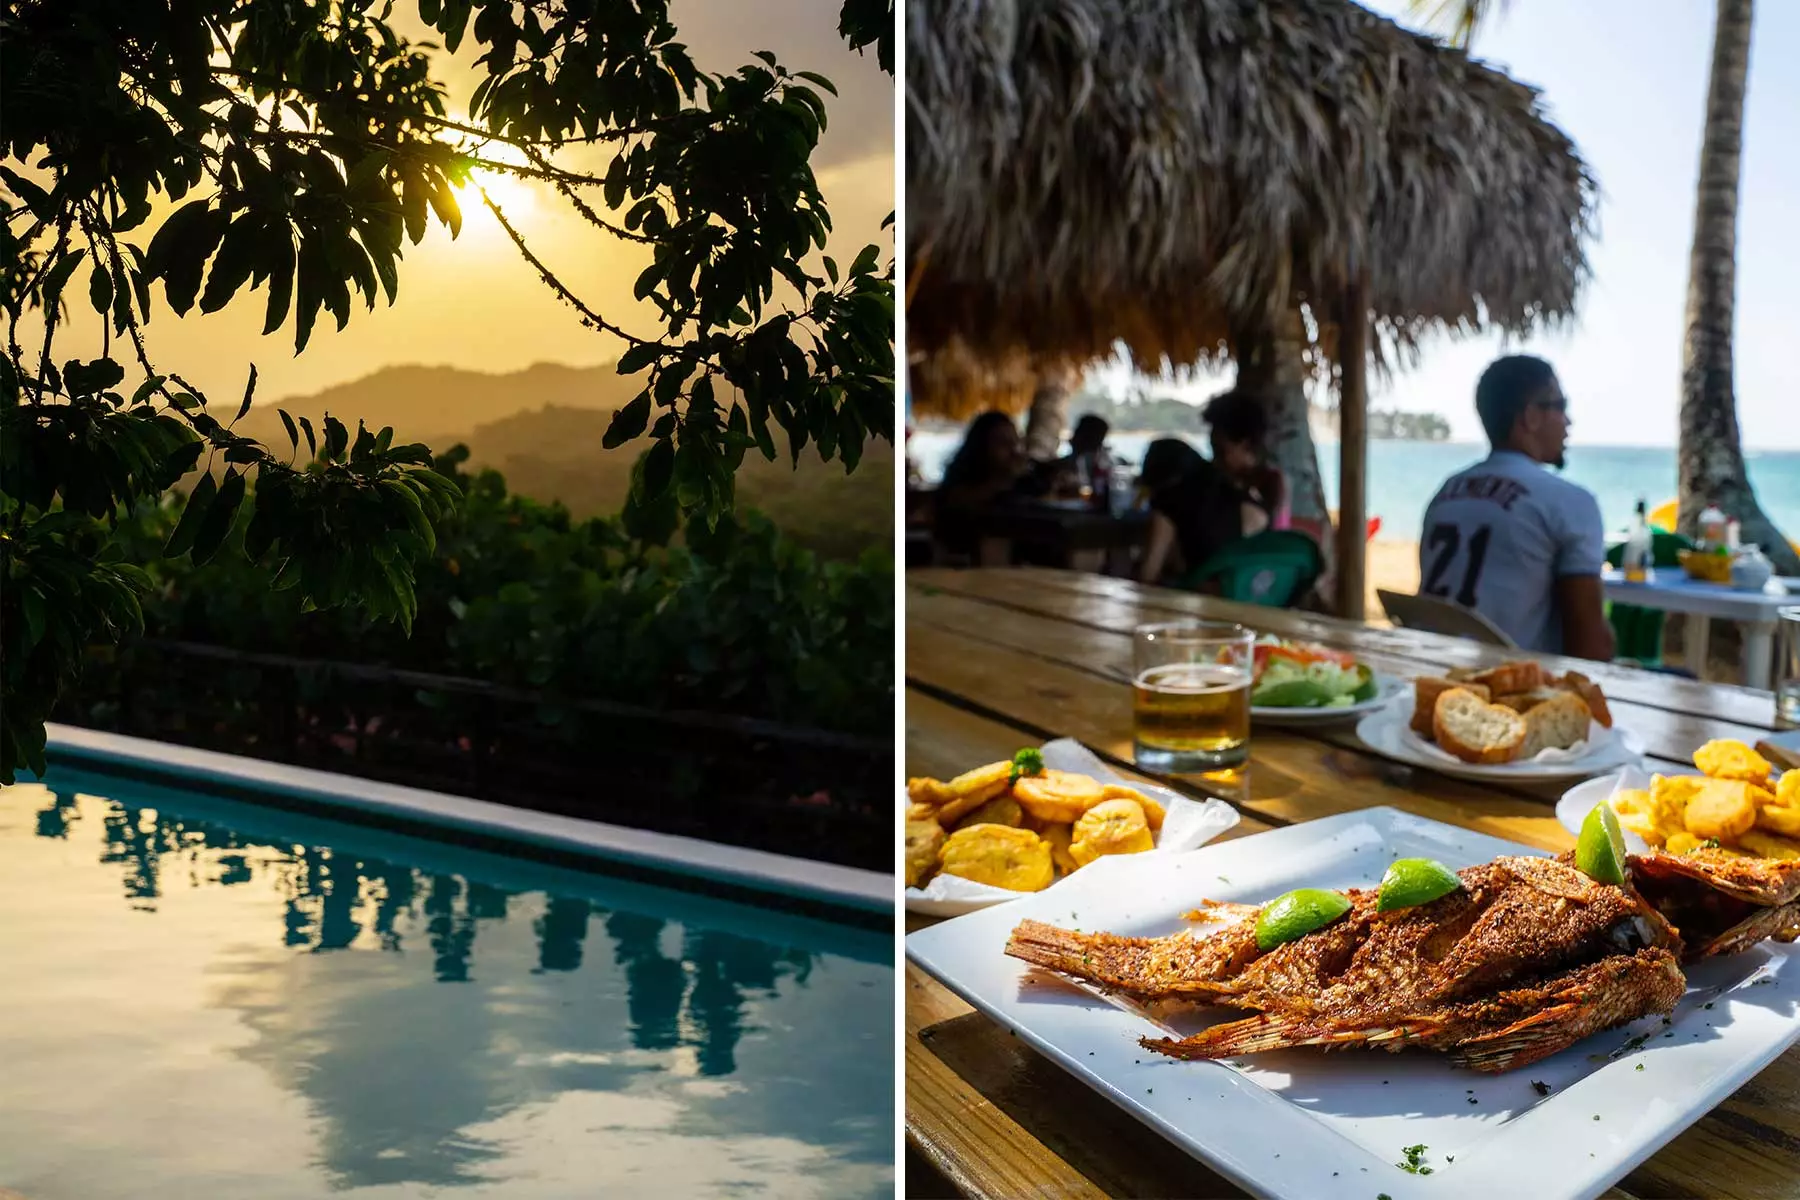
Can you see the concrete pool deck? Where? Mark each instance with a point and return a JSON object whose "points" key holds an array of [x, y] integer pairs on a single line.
{"points": [[348, 797]]}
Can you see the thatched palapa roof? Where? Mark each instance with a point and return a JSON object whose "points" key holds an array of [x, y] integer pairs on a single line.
{"points": [[1168, 171]]}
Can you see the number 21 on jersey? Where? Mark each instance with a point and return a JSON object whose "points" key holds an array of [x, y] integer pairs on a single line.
{"points": [[1446, 540]]}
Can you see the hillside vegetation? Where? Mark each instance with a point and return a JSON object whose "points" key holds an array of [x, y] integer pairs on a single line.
{"points": [[542, 427]]}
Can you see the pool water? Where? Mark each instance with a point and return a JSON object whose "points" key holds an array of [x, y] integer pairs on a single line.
{"points": [[204, 998]]}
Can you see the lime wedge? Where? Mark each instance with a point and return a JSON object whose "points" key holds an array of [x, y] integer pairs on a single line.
{"points": [[1297, 914], [1410, 882], [1600, 849]]}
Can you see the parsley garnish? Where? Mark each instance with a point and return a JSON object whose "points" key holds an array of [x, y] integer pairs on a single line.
{"points": [[1029, 761]]}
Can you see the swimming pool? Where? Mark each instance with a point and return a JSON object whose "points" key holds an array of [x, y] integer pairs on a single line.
{"points": [[204, 997]]}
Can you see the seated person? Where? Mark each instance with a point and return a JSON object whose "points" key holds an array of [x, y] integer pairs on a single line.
{"points": [[1509, 539], [1198, 505], [1088, 463], [1239, 425], [987, 469]]}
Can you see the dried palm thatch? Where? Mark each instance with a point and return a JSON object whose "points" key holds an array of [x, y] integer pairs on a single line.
{"points": [[1173, 173]]}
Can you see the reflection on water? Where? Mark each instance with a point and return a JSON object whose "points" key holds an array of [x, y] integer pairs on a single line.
{"points": [[595, 1038]]}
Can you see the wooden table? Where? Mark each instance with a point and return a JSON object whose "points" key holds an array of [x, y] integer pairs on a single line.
{"points": [[996, 659], [1084, 538]]}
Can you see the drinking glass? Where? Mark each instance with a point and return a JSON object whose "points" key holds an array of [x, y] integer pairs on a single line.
{"points": [[1787, 665], [1191, 695]]}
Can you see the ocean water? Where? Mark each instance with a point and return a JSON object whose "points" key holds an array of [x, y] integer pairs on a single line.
{"points": [[1403, 476]]}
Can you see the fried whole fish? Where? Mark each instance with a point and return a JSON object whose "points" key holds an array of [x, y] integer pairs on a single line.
{"points": [[1527, 958]]}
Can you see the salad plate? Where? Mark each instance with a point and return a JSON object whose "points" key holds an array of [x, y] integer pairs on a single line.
{"points": [[1298, 683]]}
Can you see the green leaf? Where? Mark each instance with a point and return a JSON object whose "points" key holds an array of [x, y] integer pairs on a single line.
{"points": [[31, 601], [148, 388], [58, 276], [249, 391], [218, 518], [639, 356], [100, 291], [35, 197], [659, 465], [628, 422], [287, 423], [814, 77], [198, 501], [91, 378]]}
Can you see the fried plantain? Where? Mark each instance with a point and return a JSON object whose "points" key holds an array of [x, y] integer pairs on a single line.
{"points": [[1058, 795], [1059, 836], [999, 855], [1153, 812], [1001, 810], [1111, 827], [1724, 758], [924, 839]]}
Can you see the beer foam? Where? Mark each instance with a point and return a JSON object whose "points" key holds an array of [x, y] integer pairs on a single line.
{"points": [[1193, 679]]}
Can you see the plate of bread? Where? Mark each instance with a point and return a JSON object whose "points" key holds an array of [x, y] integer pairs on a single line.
{"points": [[1512, 721]]}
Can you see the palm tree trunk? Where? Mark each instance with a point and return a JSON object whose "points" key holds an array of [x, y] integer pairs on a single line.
{"points": [[1710, 455], [1049, 415]]}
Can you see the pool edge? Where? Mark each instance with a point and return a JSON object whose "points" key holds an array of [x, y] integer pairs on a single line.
{"points": [[733, 866]]}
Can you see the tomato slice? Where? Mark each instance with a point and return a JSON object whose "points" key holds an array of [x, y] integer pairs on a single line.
{"points": [[1301, 653]]}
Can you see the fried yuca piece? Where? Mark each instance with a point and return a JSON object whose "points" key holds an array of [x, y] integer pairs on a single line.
{"points": [[999, 855], [920, 811], [1001, 810], [1056, 796], [1682, 843], [1153, 812], [1669, 796], [1787, 789], [1770, 845], [1721, 809], [1058, 836], [1638, 815], [1781, 819], [923, 841], [1111, 827], [1724, 758]]}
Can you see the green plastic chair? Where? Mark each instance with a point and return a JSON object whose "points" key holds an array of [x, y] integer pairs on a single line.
{"points": [[1638, 632], [1274, 568]]}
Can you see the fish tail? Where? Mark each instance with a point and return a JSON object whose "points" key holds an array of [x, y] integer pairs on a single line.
{"points": [[1536, 1037], [1100, 958]]}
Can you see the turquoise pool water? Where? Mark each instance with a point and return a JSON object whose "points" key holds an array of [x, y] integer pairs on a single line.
{"points": [[202, 998]]}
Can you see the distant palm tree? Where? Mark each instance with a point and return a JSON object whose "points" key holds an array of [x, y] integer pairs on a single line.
{"points": [[1710, 453]]}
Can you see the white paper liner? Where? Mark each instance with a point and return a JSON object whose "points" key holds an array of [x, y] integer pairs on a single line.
{"points": [[1187, 825]]}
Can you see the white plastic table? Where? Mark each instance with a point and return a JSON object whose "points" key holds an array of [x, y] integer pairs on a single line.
{"points": [[1671, 590]]}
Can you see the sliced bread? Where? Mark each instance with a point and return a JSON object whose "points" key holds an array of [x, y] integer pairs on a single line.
{"points": [[1590, 692], [1426, 690], [1510, 678], [1523, 702], [1474, 730], [1557, 724]]}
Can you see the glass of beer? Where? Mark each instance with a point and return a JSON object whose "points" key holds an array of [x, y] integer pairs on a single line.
{"points": [[1191, 695]]}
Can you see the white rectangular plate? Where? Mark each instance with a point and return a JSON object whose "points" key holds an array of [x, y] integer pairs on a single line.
{"points": [[1306, 1124]]}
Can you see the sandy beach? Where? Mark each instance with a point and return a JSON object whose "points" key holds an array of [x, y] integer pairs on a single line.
{"points": [[1393, 565]]}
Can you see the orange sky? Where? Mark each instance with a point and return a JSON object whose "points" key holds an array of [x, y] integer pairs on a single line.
{"points": [[473, 303]]}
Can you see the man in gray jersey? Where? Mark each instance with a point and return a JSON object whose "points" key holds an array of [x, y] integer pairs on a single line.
{"points": [[1510, 540]]}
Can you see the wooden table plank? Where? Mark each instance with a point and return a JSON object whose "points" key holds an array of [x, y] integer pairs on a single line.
{"points": [[1744, 706], [975, 698], [1106, 650]]}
